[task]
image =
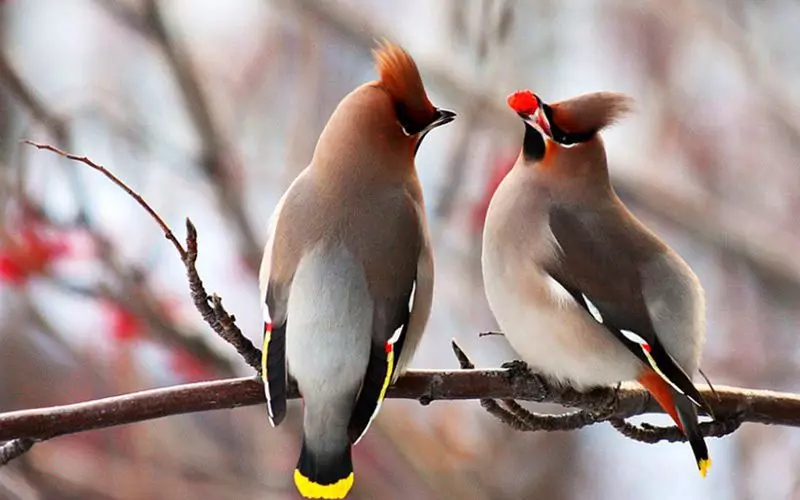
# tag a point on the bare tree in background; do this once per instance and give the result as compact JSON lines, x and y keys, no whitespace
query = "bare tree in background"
{"x":210,"y":114}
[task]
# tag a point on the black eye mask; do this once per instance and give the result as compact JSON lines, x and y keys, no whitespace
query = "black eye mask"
{"x":559,"y":135}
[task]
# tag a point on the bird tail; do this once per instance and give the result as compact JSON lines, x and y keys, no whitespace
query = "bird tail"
{"x":683,"y":413}
{"x":687,"y":415}
{"x":329,"y":476}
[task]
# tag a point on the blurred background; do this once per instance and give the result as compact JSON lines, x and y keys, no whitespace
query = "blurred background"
{"x":211,"y":108}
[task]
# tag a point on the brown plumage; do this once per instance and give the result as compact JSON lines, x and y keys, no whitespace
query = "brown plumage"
{"x":582,"y":290}
{"x":401,"y":79}
{"x":591,"y":112}
{"x":347,"y":255}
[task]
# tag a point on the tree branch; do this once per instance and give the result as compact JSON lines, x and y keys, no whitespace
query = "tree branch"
{"x":517,"y":417}
{"x":647,"y":433}
{"x":765,"y":407}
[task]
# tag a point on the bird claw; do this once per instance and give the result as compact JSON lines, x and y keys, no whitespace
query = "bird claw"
{"x":518,"y":372}
{"x":610,"y":406}
{"x":516,"y":367}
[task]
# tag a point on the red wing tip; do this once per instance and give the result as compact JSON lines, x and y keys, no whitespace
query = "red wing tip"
{"x":523,"y":101}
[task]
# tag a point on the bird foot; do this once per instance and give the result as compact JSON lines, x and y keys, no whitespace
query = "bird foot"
{"x":519,"y":374}
{"x":610,"y":407}
{"x":516,"y":368}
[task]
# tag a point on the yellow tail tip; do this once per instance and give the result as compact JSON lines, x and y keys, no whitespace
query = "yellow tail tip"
{"x":310,"y":489}
{"x":704,"y":465}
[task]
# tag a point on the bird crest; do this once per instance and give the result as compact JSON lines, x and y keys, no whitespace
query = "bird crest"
{"x":400,"y":77}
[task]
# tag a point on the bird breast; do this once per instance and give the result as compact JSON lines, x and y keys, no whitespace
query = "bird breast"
{"x":547,"y":328}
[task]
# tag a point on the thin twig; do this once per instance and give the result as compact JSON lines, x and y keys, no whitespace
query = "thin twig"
{"x":494,"y":409}
{"x":234,"y":336}
{"x":116,"y":180}
{"x":710,"y":385}
{"x":211,"y":309}
{"x":647,"y":433}
{"x":542,"y":422}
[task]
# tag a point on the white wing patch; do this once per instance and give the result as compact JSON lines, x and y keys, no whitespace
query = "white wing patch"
{"x":637,"y":339}
{"x":646,"y":350}
{"x":396,"y":335}
{"x":411,"y":297}
{"x":593,"y":309}
{"x":391,"y":363}
{"x":634,"y":338}
{"x":264,"y":378}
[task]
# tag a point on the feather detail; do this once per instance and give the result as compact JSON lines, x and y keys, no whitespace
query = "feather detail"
{"x":401,"y":79}
{"x":590,"y":113}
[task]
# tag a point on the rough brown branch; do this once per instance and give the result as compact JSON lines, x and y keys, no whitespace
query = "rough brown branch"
{"x":748,"y":405}
{"x":514,"y":415}
{"x":647,"y":433}
{"x":211,"y":308}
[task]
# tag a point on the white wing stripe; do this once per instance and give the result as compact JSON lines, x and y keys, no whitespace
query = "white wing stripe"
{"x":593,"y":309}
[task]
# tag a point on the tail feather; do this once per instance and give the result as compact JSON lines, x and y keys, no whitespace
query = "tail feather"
{"x":683,"y":413}
{"x":329,"y":477}
{"x":687,"y":414}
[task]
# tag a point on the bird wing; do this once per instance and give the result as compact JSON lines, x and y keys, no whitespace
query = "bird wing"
{"x":275,"y":288}
{"x":401,"y":313}
{"x":599,"y":267}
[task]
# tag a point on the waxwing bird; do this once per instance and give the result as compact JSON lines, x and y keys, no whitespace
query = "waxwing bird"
{"x":347,"y":275}
{"x":582,"y":290}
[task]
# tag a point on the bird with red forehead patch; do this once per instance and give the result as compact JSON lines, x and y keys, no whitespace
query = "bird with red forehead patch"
{"x":347,"y":274}
{"x":582,"y":290}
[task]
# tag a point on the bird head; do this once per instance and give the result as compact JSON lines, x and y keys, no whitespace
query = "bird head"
{"x":380,"y":124}
{"x":563,"y":138}
{"x":400,"y":78}
{"x":573,"y":121}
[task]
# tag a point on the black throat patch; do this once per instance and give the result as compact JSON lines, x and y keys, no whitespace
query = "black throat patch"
{"x":533,"y":144}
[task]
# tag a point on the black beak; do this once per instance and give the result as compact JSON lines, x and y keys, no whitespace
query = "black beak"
{"x":442,"y":117}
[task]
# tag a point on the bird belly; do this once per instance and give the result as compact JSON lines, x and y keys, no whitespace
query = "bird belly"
{"x":553,"y":333}
{"x":329,"y":328}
